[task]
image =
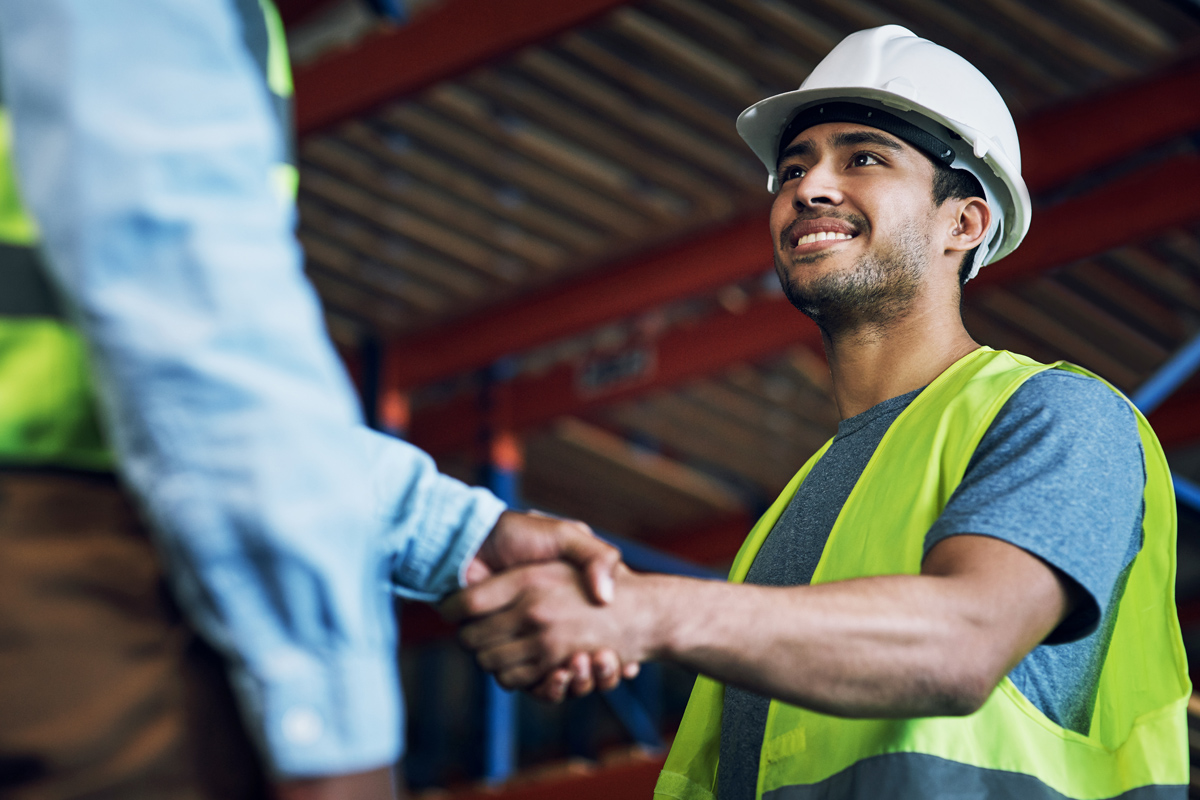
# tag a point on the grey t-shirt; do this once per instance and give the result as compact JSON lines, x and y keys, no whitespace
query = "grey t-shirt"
{"x":1059,"y":473}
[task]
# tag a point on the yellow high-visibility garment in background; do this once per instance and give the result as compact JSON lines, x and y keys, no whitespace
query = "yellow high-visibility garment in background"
{"x":1137,"y":744}
{"x":47,"y":408}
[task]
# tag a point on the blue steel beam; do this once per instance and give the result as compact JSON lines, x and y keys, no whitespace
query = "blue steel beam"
{"x":634,"y":716}
{"x":501,"y":475}
{"x":1158,"y":387}
{"x":1186,"y":492}
{"x":1169,"y":377}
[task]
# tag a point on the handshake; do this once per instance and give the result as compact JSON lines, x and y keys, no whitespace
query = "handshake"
{"x":550,"y":608}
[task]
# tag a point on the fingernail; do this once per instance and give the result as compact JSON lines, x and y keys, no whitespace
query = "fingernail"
{"x":606,"y":589}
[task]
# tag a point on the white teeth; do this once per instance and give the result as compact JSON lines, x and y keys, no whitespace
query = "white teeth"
{"x":822,"y":236}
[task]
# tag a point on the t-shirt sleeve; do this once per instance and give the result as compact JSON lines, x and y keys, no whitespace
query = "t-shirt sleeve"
{"x":1060,"y":474}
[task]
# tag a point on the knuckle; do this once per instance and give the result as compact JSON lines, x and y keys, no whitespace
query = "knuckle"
{"x":472,"y":603}
{"x":541,"y":615}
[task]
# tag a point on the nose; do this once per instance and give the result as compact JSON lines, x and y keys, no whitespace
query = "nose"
{"x":819,"y":187}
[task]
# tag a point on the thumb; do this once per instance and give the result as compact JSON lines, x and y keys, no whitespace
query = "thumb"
{"x":600,"y":565}
{"x":477,"y":571}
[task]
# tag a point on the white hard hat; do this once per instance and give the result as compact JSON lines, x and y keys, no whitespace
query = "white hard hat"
{"x":924,"y":85}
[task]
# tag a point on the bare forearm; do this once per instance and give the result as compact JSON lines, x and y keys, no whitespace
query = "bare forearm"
{"x":886,"y":646}
{"x":897,"y":645}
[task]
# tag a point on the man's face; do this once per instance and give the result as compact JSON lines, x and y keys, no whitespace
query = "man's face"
{"x":852,"y":225}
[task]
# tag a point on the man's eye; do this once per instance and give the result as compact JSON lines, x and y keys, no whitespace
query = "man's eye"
{"x":864,"y":160}
{"x":791,"y":173}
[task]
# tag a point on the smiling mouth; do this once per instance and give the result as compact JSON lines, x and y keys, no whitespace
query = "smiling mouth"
{"x":823,"y":236}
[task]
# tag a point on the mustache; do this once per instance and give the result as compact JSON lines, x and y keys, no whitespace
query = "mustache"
{"x":855,"y":221}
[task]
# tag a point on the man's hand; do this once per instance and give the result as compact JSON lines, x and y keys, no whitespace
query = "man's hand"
{"x":373,"y":785}
{"x":525,"y":623}
{"x":527,"y":538}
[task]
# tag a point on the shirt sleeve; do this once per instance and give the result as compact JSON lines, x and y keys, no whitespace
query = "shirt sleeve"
{"x":144,"y":144}
{"x":1060,"y":474}
{"x":434,"y":524}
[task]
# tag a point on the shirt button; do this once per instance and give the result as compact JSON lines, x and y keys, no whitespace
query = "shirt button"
{"x":302,"y":725}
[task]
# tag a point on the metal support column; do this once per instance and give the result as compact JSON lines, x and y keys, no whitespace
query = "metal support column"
{"x":1169,"y":377}
{"x":501,"y":475}
{"x":1158,"y":387}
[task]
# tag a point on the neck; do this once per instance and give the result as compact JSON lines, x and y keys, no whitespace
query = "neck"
{"x":872,"y":364}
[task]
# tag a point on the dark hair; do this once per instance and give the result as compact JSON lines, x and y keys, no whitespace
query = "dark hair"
{"x":957,"y":184}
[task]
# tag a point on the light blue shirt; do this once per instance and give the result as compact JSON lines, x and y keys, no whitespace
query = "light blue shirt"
{"x":144,"y":143}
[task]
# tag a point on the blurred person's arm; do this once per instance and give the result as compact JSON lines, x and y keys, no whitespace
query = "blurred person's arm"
{"x":144,"y":144}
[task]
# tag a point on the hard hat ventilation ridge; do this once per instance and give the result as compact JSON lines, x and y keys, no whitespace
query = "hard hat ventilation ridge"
{"x":857,"y":114}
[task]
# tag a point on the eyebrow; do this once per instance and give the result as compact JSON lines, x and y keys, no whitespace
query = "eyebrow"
{"x":806,"y":146}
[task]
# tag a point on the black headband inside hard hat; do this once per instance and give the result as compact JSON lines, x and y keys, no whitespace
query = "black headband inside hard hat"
{"x":821,"y":113}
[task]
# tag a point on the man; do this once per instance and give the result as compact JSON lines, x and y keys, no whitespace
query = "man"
{"x":968,"y":591}
{"x":150,"y":154}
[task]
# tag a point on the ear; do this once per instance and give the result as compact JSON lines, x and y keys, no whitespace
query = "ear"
{"x":969,"y":222}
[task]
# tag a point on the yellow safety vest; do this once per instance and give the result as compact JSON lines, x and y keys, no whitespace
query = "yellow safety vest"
{"x":47,"y":408}
{"x":1008,"y":748}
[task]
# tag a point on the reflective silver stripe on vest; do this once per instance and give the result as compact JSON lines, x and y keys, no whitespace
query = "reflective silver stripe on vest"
{"x":25,"y":292}
{"x":917,"y":776}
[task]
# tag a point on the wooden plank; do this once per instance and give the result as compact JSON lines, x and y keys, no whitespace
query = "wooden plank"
{"x":644,"y":492}
{"x":700,"y":64}
{"x":812,"y":37}
{"x":1127,"y":299}
{"x":324,"y":254}
{"x":1002,"y":335}
{"x":357,"y":235}
{"x":1033,"y":82}
{"x":712,"y":198}
{"x":398,"y":189}
{"x":505,"y":202}
{"x":724,"y":34}
{"x":1122,"y":25}
{"x":1171,"y":287}
{"x":1044,"y":36}
{"x":487,"y":157}
{"x":409,"y":225}
{"x":338,"y":295}
{"x":565,"y":156}
{"x":1108,"y":331}
{"x":648,"y":466}
{"x":1059,"y":336}
{"x":659,"y":128}
{"x":768,"y":419}
{"x":738,"y":456}
{"x":718,"y":124}
{"x":1182,"y":249}
{"x":774,"y":385}
{"x":851,"y":15}
{"x":784,"y":455}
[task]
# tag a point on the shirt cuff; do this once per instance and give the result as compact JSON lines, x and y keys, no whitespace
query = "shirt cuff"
{"x":331,"y":716}
{"x":432,"y":568}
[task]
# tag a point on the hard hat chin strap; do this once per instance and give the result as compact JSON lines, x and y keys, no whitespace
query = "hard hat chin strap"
{"x":857,"y":114}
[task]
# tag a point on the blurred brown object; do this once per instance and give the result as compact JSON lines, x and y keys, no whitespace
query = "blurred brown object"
{"x":104,"y":691}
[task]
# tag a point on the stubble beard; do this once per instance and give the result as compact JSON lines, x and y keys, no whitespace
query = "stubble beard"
{"x":869,"y":298}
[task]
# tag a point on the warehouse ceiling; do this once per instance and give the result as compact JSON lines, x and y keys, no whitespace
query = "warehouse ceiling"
{"x":551,"y":183}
